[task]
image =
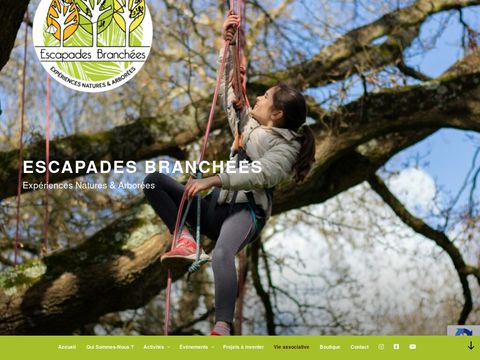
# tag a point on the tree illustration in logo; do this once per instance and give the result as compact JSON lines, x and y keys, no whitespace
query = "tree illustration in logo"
{"x":129,"y":14}
{"x":62,"y":19}
{"x":95,"y":16}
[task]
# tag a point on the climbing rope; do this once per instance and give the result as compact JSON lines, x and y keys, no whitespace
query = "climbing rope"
{"x":47,"y":162}
{"x":181,"y":217}
{"x":20,"y":155}
{"x":17,"y":244}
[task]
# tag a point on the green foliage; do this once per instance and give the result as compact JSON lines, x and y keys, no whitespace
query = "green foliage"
{"x":24,"y":274}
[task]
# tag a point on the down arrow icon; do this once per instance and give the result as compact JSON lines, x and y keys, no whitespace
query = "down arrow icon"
{"x":471,"y":346}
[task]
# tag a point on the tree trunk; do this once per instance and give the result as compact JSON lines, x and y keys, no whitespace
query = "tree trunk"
{"x":12,"y":13}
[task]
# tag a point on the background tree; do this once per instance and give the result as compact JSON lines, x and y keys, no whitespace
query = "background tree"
{"x":367,"y":103}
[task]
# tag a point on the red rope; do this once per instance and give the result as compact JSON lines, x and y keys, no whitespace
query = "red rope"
{"x":240,"y":87}
{"x":182,"y":202}
{"x":20,"y":155}
{"x":201,"y":157}
{"x":241,"y":93}
{"x":202,"y":154}
{"x":243,"y":22}
{"x":47,"y":161}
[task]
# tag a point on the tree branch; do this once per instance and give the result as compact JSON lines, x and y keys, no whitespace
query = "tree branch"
{"x":118,"y":267}
{"x":143,"y":139}
{"x":262,"y":294}
{"x":451,"y":101}
{"x":342,"y":58}
{"x":75,"y":286}
{"x":409,"y":71}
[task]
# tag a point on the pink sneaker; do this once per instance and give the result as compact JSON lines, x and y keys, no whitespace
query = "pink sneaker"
{"x":185,"y":253}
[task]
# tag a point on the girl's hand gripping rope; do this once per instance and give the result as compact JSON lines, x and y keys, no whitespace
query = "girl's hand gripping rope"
{"x":196,"y":185}
{"x":230,"y":27}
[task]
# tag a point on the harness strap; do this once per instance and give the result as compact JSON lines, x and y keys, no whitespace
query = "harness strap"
{"x":213,"y":204}
{"x":257,"y":213}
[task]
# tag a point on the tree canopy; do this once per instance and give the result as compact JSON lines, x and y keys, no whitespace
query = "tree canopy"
{"x":107,"y":245}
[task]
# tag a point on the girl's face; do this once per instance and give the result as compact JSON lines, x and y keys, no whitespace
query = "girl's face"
{"x":264,"y":112}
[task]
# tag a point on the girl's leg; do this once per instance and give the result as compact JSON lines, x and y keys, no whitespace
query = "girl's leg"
{"x":164,"y":196}
{"x":234,"y":235}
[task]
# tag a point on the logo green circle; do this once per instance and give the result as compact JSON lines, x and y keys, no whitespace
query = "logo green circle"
{"x":92,"y":45}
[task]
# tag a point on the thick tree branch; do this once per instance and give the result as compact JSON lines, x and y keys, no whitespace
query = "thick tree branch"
{"x":351,"y":169}
{"x":143,"y":139}
{"x":342,"y":130}
{"x":354,"y":51}
{"x":118,"y":268}
{"x":438,"y":237}
{"x":453,"y":101}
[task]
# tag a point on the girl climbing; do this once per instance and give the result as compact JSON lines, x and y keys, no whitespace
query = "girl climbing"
{"x":274,"y":134}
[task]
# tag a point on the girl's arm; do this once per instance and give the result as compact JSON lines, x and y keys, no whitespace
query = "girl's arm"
{"x":227,"y":93}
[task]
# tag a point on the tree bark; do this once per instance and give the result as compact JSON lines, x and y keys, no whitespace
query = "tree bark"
{"x":116,"y":269}
{"x":453,"y":101}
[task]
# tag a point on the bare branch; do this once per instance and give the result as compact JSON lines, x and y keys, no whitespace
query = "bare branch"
{"x":409,"y":71}
{"x":262,"y":294}
{"x":341,"y":59}
{"x":180,"y":330}
{"x":438,"y":237}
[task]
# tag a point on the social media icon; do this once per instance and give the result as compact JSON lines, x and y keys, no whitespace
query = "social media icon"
{"x":381,"y":346}
{"x":412,"y":346}
{"x":396,"y":346}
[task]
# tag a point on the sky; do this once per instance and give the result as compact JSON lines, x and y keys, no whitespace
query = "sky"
{"x":439,"y":162}
{"x":446,"y":155}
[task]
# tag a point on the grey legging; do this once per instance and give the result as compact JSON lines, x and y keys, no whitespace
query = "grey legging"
{"x":230,"y":230}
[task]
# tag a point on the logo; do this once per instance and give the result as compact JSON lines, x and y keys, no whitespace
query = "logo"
{"x":92,"y":45}
{"x":464,"y":332}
